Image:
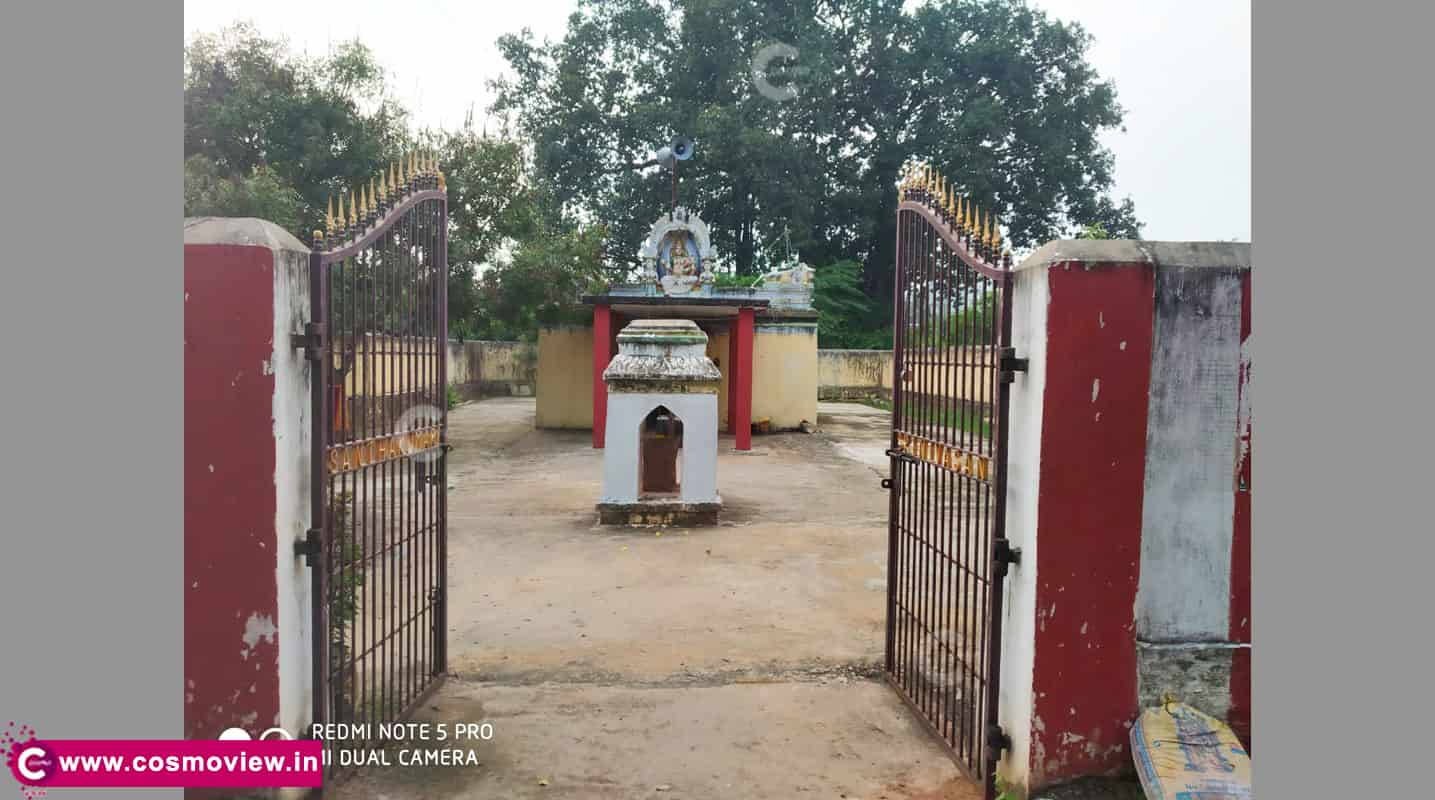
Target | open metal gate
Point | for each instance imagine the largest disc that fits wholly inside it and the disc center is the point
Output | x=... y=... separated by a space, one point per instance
x=379 y=280
x=947 y=554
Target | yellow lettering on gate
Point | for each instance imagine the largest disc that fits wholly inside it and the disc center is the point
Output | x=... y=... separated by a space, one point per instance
x=355 y=456
x=941 y=455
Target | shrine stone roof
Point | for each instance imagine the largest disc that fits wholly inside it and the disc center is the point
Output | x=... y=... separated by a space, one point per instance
x=661 y=352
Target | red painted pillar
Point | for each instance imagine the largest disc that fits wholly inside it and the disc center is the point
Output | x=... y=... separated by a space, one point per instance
x=602 y=343
x=742 y=377
x=247 y=629
x=732 y=378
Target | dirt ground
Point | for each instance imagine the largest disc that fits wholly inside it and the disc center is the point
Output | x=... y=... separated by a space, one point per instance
x=738 y=661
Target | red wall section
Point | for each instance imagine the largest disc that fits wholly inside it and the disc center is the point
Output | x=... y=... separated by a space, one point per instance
x=1092 y=475
x=230 y=647
x=1240 y=713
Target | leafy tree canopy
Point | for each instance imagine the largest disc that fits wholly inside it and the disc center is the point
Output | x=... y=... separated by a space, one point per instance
x=253 y=111
x=994 y=92
x=273 y=135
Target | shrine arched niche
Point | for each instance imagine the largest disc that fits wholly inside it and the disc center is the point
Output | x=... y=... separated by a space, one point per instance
x=660 y=447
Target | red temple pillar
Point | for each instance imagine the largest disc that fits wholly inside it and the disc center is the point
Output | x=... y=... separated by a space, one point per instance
x=732 y=378
x=741 y=378
x=602 y=342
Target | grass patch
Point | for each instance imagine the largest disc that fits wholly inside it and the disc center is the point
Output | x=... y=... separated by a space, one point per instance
x=975 y=420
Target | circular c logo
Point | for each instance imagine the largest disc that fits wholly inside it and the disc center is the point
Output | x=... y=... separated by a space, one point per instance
x=762 y=70
x=35 y=764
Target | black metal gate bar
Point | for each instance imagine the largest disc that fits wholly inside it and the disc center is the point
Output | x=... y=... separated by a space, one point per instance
x=947 y=554
x=379 y=479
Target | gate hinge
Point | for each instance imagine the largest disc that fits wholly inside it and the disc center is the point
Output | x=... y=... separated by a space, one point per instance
x=1009 y=364
x=997 y=741
x=308 y=547
x=1003 y=555
x=312 y=340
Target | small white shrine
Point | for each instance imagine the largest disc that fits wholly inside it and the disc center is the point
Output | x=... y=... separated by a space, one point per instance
x=660 y=458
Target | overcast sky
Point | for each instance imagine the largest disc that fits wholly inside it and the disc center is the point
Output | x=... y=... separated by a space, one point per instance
x=1182 y=72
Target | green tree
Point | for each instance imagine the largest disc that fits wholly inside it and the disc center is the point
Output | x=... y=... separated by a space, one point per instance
x=540 y=284
x=846 y=310
x=261 y=193
x=269 y=134
x=260 y=115
x=996 y=93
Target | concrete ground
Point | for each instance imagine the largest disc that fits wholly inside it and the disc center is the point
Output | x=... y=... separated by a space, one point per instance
x=739 y=661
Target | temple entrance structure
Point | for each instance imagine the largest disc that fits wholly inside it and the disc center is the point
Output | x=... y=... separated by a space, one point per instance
x=763 y=338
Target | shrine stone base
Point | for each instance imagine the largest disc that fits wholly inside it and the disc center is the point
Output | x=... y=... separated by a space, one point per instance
x=660 y=512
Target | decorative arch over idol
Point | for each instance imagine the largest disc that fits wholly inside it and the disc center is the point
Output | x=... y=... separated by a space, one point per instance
x=678 y=253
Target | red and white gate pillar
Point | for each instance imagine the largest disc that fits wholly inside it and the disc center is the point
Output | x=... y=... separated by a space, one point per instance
x=1128 y=493
x=247 y=437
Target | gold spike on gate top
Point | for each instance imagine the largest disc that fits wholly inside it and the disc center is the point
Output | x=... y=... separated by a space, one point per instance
x=393 y=178
x=952 y=203
x=339 y=221
x=413 y=166
x=329 y=216
x=368 y=203
x=996 y=235
x=383 y=186
x=374 y=196
x=353 y=212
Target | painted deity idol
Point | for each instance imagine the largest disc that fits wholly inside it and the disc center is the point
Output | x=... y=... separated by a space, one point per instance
x=678 y=254
x=681 y=269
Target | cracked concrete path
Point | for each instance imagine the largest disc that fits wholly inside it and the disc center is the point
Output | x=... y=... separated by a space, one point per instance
x=733 y=661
